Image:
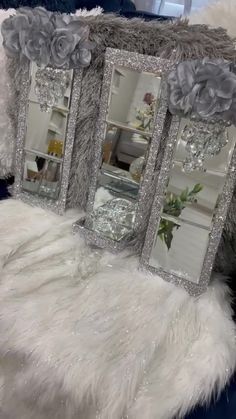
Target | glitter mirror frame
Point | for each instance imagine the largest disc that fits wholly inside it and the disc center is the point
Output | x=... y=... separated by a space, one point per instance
x=138 y=62
x=217 y=226
x=58 y=206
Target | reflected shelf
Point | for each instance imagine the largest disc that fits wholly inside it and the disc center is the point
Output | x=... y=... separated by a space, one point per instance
x=118 y=176
x=180 y=220
x=127 y=127
x=44 y=155
x=62 y=109
x=53 y=128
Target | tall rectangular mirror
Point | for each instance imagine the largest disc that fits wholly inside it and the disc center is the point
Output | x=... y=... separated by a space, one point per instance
x=132 y=114
x=46 y=127
x=193 y=192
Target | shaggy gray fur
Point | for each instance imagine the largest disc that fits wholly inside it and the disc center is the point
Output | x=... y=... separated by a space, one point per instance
x=177 y=41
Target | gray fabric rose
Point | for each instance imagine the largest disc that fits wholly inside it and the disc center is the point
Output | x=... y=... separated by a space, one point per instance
x=70 y=47
x=28 y=34
x=35 y=43
x=202 y=87
x=10 y=29
x=47 y=38
x=81 y=56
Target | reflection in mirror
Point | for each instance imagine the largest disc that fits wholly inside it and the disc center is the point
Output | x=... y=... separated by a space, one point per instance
x=46 y=138
x=180 y=248
x=129 y=122
x=193 y=194
x=46 y=125
x=42 y=174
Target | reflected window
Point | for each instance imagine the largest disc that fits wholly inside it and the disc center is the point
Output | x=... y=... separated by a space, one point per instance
x=171 y=7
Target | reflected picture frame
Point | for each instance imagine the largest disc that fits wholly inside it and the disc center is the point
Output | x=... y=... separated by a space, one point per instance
x=217 y=225
x=58 y=205
x=150 y=64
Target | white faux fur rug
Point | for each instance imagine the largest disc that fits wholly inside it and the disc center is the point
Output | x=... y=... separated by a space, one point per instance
x=84 y=334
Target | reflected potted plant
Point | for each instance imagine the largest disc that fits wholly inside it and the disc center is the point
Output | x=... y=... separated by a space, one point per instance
x=173 y=206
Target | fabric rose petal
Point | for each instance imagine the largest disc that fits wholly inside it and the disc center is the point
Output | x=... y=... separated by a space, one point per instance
x=82 y=54
x=35 y=43
x=62 y=45
x=205 y=88
x=10 y=29
x=47 y=38
x=70 y=46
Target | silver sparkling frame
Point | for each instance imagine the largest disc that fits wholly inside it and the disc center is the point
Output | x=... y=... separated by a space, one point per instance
x=58 y=206
x=139 y=62
x=194 y=289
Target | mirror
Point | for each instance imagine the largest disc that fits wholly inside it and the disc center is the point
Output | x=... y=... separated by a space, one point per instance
x=132 y=106
x=45 y=136
x=46 y=143
x=194 y=196
x=133 y=99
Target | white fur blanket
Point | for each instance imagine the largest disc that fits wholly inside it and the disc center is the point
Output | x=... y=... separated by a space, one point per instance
x=84 y=334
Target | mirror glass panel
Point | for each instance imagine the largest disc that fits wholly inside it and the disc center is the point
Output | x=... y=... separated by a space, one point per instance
x=133 y=101
x=195 y=184
x=46 y=129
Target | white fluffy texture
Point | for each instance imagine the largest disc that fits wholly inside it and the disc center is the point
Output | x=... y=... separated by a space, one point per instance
x=220 y=13
x=93 y=12
x=83 y=331
x=102 y=196
x=6 y=145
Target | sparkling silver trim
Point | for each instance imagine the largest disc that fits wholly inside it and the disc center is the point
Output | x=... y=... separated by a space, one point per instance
x=137 y=62
x=100 y=241
x=58 y=205
x=217 y=224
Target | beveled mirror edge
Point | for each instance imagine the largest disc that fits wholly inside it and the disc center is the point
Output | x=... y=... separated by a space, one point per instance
x=58 y=206
x=137 y=62
x=194 y=289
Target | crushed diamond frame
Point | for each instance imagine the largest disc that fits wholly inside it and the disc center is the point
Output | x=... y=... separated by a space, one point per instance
x=58 y=206
x=135 y=61
x=215 y=232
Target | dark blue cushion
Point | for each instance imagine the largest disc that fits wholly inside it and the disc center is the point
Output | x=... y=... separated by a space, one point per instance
x=4 y=183
x=71 y=5
x=224 y=408
x=64 y=6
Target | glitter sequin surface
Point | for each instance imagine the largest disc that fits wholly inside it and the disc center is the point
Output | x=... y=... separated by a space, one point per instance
x=58 y=205
x=217 y=225
x=155 y=65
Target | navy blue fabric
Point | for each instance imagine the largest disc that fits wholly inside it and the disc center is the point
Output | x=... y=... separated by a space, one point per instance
x=125 y=8
x=70 y=6
x=64 y=6
x=224 y=408
x=4 y=183
x=144 y=15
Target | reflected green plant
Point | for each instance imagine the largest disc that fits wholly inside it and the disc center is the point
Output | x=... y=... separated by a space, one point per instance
x=173 y=206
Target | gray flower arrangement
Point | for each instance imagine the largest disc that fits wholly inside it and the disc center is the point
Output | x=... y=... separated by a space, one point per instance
x=204 y=88
x=47 y=38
